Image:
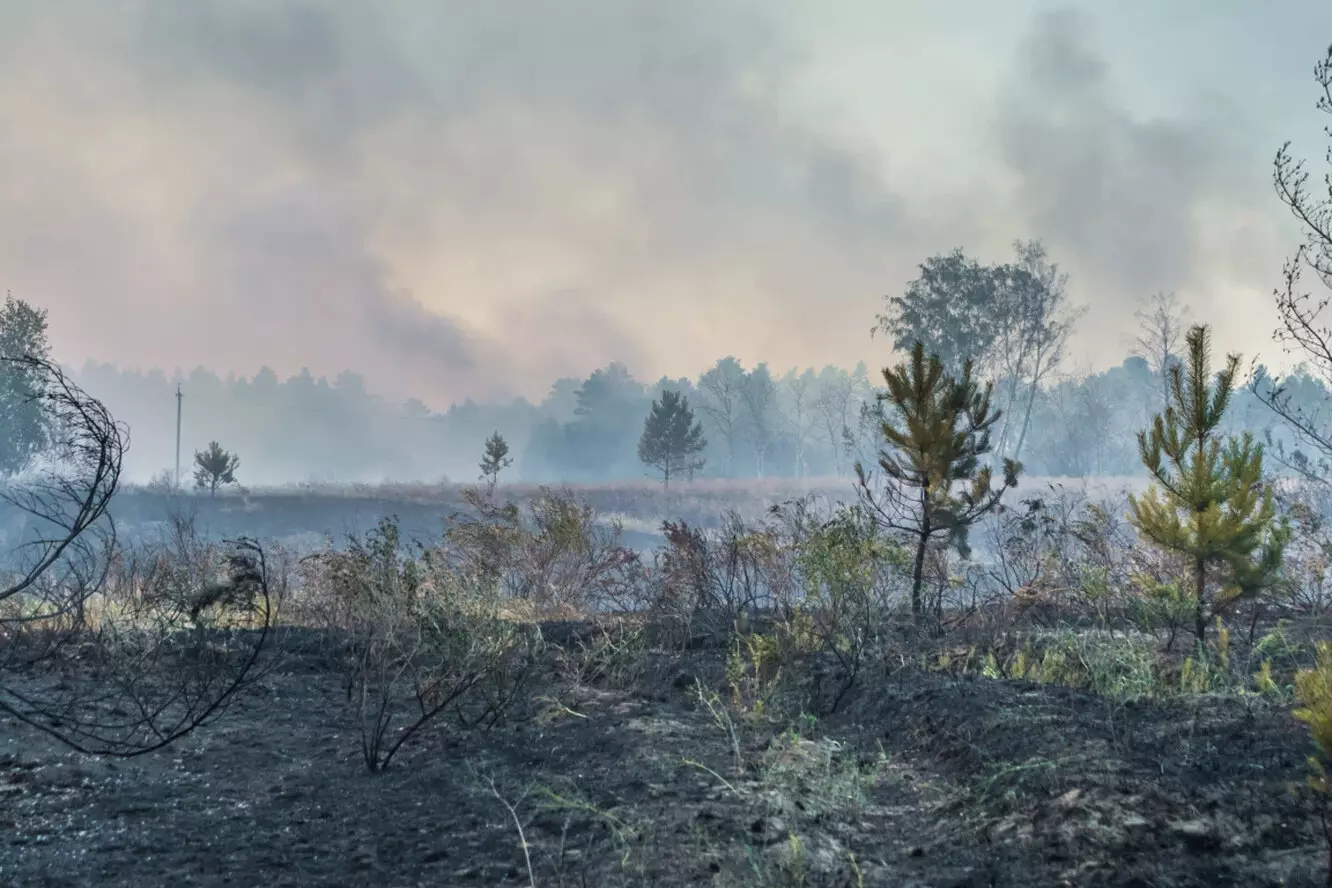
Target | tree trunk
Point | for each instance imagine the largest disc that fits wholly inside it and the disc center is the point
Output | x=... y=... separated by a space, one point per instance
x=1199 y=592
x=918 y=572
x=1026 y=423
x=1001 y=449
x=917 y=578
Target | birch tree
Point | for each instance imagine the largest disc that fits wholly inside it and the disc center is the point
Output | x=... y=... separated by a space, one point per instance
x=722 y=404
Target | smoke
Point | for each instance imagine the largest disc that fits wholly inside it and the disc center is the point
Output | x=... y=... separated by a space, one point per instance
x=1135 y=204
x=472 y=199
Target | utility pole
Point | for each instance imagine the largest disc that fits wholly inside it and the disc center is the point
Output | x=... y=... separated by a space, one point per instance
x=178 y=399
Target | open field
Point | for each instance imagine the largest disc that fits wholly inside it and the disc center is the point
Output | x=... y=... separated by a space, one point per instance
x=759 y=711
x=307 y=514
x=923 y=777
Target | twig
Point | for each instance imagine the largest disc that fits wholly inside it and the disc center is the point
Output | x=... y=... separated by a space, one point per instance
x=518 y=824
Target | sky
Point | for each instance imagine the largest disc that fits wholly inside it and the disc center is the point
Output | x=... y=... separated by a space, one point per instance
x=474 y=198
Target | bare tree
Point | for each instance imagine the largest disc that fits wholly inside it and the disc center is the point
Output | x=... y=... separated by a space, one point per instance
x=722 y=388
x=838 y=409
x=1035 y=322
x=108 y=650
x=1303 y=328
x=800 y=415
x=760 y=399
x=1161 y=326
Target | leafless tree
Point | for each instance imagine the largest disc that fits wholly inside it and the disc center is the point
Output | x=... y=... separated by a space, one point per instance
x=722 y=388
x=1161 y=325
x=800 y=415
x=1303 y=328
x=759 y=395
x=110 y=650
x=838 y=407
x=1035 y=321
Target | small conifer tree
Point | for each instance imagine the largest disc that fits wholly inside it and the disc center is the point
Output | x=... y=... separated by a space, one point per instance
x=935 y=433
x=214 y=466
x=672 y=440
x=1208 y=502
x=495 y=460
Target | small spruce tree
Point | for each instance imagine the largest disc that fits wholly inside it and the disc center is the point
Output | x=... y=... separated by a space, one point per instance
x=1208 y=502
x=214 y=466
x=495 y=460
x=936 y=430
x=672 y=440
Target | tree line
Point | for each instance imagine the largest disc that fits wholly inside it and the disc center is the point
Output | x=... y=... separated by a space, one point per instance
x=1013 y=320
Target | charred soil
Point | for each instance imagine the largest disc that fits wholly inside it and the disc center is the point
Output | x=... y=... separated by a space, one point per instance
x=918 y=779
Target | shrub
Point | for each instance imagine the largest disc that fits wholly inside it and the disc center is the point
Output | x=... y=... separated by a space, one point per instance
x=1313 y=690
x=559 y=557
x=425 y=638
x=853 y=573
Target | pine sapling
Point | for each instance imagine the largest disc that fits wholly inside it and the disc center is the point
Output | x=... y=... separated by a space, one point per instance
x=934 y=433
x=495 y=460
x=1208 y=500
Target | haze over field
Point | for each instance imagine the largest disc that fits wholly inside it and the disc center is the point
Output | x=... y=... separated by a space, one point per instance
x=476 y=199
x=422 y=400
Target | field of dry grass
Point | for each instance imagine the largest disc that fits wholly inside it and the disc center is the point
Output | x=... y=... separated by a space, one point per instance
x=769 y=717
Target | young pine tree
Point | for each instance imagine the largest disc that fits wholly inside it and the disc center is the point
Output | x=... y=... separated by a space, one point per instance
x=672 y=440
x=214 y=466
x=935 y=429
x=495 y=460
x=1208 y=502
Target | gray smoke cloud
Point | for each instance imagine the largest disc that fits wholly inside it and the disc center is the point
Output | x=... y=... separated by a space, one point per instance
x=1136 y=204
x=471 y=199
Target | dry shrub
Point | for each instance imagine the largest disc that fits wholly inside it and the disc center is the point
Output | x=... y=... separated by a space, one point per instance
x=425 y=637
x=815 y=583
x=1307 y=589
x=608 y=652
x=1058 y=557
x=706 y=581
x=166 y=643
x=110 y=649
x=852 y=577
x=558 y=556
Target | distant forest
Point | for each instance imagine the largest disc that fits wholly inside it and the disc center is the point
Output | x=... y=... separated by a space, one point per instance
x=758 y=424
x=1012 y=322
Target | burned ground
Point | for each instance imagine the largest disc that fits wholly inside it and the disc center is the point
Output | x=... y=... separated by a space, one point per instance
x=920 y=778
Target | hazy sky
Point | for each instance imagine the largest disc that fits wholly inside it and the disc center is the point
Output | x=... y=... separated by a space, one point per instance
x=461 y=198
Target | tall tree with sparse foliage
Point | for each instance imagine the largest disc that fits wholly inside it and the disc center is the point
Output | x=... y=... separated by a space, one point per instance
x=935 y=429
x=950 y=307
x=495 y=460
x=1208 y=501
x=672 y=441
x=214 y=467
x=25 y=427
